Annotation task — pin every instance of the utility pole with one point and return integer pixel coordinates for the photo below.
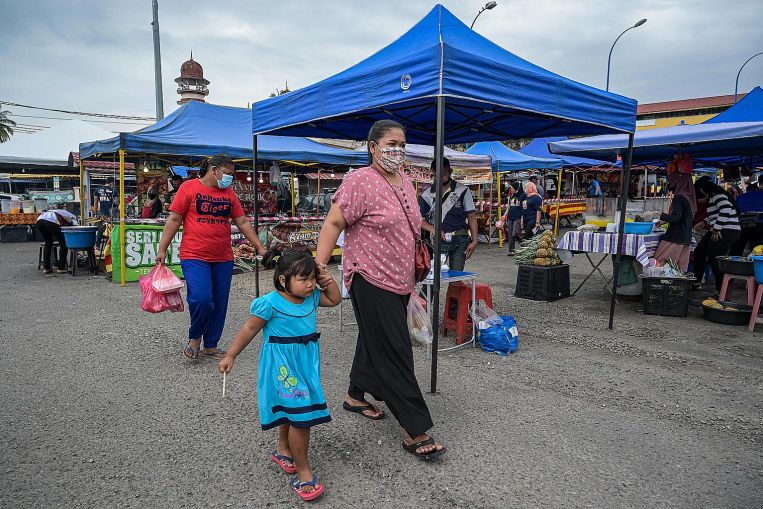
(157, 62)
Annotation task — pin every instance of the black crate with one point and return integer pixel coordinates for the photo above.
(13, 233)
(666, 296)
(543, 283)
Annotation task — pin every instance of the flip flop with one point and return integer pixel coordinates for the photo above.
(218, 354)
(281, 460)
(297, 487)
(429, 456)
(190, 352)
(359, 409)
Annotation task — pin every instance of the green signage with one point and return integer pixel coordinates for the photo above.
(141, 245)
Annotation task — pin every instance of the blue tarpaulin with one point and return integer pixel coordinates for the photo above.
(490, 93)
(748, 109)
(505, 159)
(539, 148)
(201, 129)
(734, 142)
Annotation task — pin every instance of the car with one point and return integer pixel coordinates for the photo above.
(309, 204)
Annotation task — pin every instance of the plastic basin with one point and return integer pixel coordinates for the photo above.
(79, 237)
(737, 265)
(758, 264)
(638, 228)
(740, 315)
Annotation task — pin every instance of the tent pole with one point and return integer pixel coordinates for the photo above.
(490, 214)
(500, 231)
(318, 201)
(558, 201)
(621, 227)
(439, 152)
(291, 183)
(82, 201)
(121, 215)
(256, 214)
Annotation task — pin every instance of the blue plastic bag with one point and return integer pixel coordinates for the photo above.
(501, 339)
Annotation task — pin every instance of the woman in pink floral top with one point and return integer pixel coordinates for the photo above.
(378, 211)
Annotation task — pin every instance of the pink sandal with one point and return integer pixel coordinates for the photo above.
(281, 460)
(307, 497)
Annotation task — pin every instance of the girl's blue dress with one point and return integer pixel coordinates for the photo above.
(289, 389)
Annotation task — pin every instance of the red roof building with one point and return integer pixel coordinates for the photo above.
(684, 111)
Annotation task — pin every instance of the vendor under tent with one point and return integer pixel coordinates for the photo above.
(446, 84)
(197, 130)
(506, 160)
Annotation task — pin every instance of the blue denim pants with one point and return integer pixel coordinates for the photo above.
(208, 285)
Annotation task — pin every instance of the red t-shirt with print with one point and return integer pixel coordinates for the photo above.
(207, 213)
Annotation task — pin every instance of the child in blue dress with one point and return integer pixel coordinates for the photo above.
(289, 391)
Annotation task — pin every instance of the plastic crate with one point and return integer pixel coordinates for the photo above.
(666, 296)
(13, 233)
(543, 283)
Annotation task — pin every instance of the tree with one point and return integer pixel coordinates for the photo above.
(6, 125)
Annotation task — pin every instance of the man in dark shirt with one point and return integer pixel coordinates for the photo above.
(458, 218)
(103, 198)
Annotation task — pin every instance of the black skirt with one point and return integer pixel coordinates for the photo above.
(383, 363)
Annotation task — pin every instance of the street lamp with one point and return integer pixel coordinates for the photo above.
(609, 60)
(736, 85)
(487, 7)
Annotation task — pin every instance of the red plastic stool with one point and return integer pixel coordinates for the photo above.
(756, 308)
(459, 298)
(727, 283)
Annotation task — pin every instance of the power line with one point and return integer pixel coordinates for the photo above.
(64, 118)
(81, 113)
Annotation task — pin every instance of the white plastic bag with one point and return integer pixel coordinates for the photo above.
(419, 323)
(482, 313)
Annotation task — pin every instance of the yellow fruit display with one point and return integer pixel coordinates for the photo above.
(758, 250)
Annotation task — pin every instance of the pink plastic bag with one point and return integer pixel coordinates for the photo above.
(156, 302)
(164, 280)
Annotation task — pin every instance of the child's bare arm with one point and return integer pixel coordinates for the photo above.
(244, 336)
(330, 296)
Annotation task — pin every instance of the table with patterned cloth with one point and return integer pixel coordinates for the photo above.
(640, 247)
(20, 218)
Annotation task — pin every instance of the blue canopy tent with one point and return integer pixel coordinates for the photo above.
(197, 130)
(749, 109)
(729, 142)
(539, 148)
(505, 159)
(446, 84)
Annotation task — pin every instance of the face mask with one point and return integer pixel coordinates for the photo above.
(225, 182)
(392, 158)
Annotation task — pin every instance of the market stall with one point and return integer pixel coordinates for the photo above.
(447, 84)
(199, 130)
(507, 162)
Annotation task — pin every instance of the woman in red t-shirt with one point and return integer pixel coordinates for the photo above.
(205, 208)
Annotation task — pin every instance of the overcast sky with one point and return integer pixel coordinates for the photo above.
(98, 55)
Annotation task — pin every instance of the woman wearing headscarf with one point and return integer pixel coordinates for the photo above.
(153, 206)
(676, 243)
(531, 210)
(723, 223)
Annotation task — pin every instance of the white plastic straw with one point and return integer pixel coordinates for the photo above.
(223, 384)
